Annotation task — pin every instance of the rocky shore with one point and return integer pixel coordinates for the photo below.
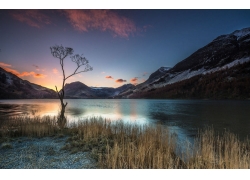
(42, 153)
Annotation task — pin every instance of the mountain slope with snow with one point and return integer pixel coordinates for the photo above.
(229, 83)
(224, 52)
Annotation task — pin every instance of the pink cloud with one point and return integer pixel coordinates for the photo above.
(104, 20)
(134, 80)
(120, 80)
(39, 75)
(7, 67)
(13, 71)
(4, 64)
(32, 17)
(35, 75)
(109, 77)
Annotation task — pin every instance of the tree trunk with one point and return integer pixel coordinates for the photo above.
(61, 121)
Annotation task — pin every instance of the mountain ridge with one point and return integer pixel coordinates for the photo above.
(223, 52)
(13, 87)
(78, 90)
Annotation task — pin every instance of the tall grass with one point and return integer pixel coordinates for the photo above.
(123, 146)
(214, 151)
(28, 126)
(128, 146)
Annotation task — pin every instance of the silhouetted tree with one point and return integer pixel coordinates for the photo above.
(61, 53)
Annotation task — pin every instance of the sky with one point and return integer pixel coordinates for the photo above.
(122, 45)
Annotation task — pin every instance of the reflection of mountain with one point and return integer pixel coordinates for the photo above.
(78, 90)
(218, 70)
(13, 87)
(75, 111)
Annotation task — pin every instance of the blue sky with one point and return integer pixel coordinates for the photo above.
(123, 44)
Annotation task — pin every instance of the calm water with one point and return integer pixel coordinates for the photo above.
(184, 117)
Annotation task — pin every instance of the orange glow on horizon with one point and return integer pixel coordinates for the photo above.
(7, 67)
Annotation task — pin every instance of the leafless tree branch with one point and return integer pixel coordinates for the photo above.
(61, 53)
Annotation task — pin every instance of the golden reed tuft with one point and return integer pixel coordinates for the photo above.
(116, 145)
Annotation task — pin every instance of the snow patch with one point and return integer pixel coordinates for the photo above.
(241, 33)
(96, 88)
(164, 69)
(229, 65)
(188, 74)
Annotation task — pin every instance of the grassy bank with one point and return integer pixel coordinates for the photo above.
(122, 146)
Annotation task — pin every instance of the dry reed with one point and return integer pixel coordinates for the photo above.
(214, 151)
(125, 146)
(27, 126)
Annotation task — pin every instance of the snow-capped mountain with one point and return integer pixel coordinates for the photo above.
(79, 90)
(13, 87)
(224, 52)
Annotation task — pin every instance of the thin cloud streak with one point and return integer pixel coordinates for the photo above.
(109, 77)
(4, 64)
(35, 75)
(120, 80)
(104, 20)
(7, 68)
(32, 17)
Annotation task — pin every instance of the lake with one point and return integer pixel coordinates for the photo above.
(184, 117)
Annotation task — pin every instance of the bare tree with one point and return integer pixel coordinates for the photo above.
(61, 53)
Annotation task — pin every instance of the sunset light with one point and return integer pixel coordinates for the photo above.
(96, 87)
(118, 42)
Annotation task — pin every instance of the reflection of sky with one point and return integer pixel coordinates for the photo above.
(33, 107)
(184, 117)
(131, 111)
(128, 111)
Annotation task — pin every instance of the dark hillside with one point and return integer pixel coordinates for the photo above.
(233, 83)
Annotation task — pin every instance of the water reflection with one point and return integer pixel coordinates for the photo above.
(75, 111)
(184, 117)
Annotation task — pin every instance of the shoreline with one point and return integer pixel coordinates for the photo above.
(99, 144)
(42, 153)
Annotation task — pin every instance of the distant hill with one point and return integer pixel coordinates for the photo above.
(78, 90)
(219, 70)
(13, 87)
(220, 57)
(229, 83)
